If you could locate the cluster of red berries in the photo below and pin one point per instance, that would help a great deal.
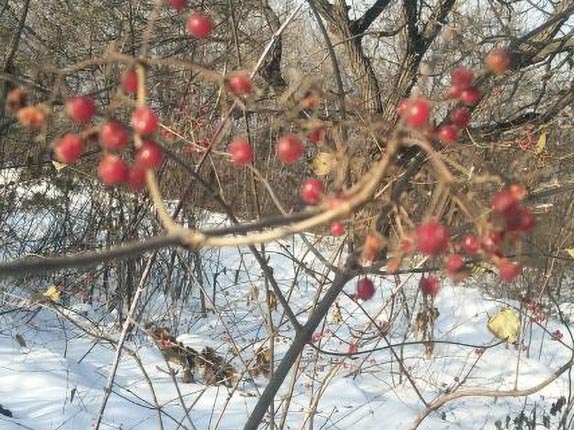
(415, 112)
(113, 137)
(510, 220)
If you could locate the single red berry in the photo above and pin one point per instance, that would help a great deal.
(199, 25)
(114, 136)
(448, 134)
(80, 109)
(470, 96)
(149, 155)
(471, 244)
(112, 170)
(337, 228)
(144, 120)
(454, 91)
(508, 270)
(417, 113)
(353, 348)
(498, 60)
(491, 242)
(136, 180)
(289, 149)
(504, 202)
(129, 81)
(69, 148)
(31, 116)
(240, 85)
(241, 152)
(317, 135)
(454, 264)
(365, 289)
(461, 77)
(518, 191)
(178, 4)
(429, 285)
(460, 117)
(312, 191)
(432, 238)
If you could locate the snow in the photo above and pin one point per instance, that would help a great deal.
(56, 381)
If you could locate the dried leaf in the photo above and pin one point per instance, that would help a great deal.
(324, 163)
(505, 325)
(52, 293)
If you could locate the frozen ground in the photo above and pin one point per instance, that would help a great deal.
(56, 381)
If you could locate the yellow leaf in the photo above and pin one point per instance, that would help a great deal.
(541, 146)
(570, 252)
(52, 293)
(58, 166)
(323, 163)
(505, 325)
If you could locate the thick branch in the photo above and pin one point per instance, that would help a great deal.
(38, 265)
(364, 22)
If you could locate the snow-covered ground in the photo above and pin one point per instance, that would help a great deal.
(56, 381)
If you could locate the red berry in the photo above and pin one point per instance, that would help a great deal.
(432, 238)
(504, 202)
(112, 170)
(518, 191)
(144, 120)
(69, 148)
(241, 152)
(365, 289)
(417, 113)
(317, 135)
(289, 149)
(490, 242)
(114, 136)
(429, 285)
(149, 156)
(80, 109)
(498, 60)
(454, 91)
(470, 96)
(312, 191)
(129, 81)
(460, 117)
(448, 134)
(471, 244)
(240, 85)
(199, 25)
(461, 77)
(508, 270)
(177, 4)
(136, 180)
(353, 348)
(337, 228)
(454, 264)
